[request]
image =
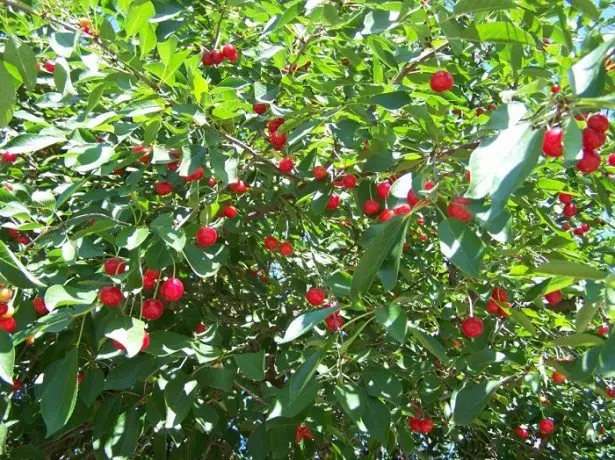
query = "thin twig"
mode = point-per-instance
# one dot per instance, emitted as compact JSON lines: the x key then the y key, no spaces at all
{"x":426,"y":54}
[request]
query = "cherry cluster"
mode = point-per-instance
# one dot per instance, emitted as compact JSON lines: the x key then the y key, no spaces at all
{"x":216,"y":57}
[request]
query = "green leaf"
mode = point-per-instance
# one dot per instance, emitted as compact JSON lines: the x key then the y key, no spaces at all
{"x":179,"y":396}
{"x":339,"y":283}
{"x":591,"y":305}
{"x":63,"y":43}
{"x":7,"y":96}
{"x":469,"y":402}
{"x":379,"y":249}
{"x":502,"y":163}
{"x":461,"y":246}
{"x":394,"y":319}
{"x":61,"y":295}
{"x":577,"y":340}
{"x":587,"y":77}
{"x":288,"y":406}
{"x":350,"y":398}
{"x":269,"y":52}
{"x":223,"y":166}
{"x":126,"y":431}
{"x":573,"y":142}
{"x":205,"y":262}
{"x":92,"y":386}
{"x":495,"y":32}
{"x":306,"y":321}
{"x":126,"y":330}
{"x":26,"y":143}
{"x":22,"y":57}
{"x":216,"y":377}
{"x":377,"y":419}
{"x":163,"y":227}
{"x":140,"y":12}
{"x":522,"y":319}
{"x":258,"y":443}
{"x":507,"y":115}
{"x":14,"y":271}
{"x":574,"y":269}
{"x":350,"y":340}
{"x":7,"y":358}
{"x":252,"y":364}
{"x":131,"y":237}
{"x":377,"y":21}
{"x":586,"y":7}
{"x":306,"y":371}
{"x":606,"y":360}
{"x":125,"y":374}
{"x":392,"y":101}
{"x":429,"y":342}
{"x":206,"y":417}
{"x":471,"y":6}
{"x":59,"y":392}
{"x":382,"y":383}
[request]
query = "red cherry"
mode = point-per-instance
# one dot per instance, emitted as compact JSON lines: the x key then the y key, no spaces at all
{"x":144,"y":159}
{"x":149,"y":278}
{"x":286,"y":249}
{"x":426,"y":425}
{"x":302,"y":432}
{"x":589,"y":162}
{"x":80,"y":377}
{"x":152,"y":309}
{"x":16,"y":386}
{"x":196,"y":175}
{"x":371,"y":207}
{"x":334,"y":202}
{"x":585,"y":227}
{"x":402,"y":210}
{"x":334,"y":321}
{"x":578,"y":231}
{"x":565,"y":198}
{"x":604,"y":329}
{"x":420,"y":221}
{"x":598,"y":122}
{"x":570,"y":210}
{"x":553,"y":298}
{"x":349,"y":181}
{"x":230,"y":52}
{"x":552,"y":142}
{"x":413,"y":199}
{"x":319,"y":172}
{"x":498,"y":293}
{"x":8,"y":324}
{"x":260,"y":108}
{"x":238,"y":187}
{"x":230,"y":211}
{"x":211,"y":182}
{"x":610,"y":392}
{"x":286,"y":165}
{"x":206,"y":236}
{"x":172,"y":167}
{"x":172,"y":289}
{"x":208,"y":58}
{"x":555,"y":89}
{"x":217,"y":57}
{"x":385,"y":215}
{"x":49,"y":66}
{"x":345,"y":62}
{"x":274,"y":124}
{"x":199,"y":328}
{"x":592,"y":138}
{"x":383,"y":189}
{"x":277,"y":139}
{"x":457,"y":209}
{"x":271,"y":242}
{"x":429,"y":185}
{"x":110,"y":296}
{"x":480,"y":111}
{"x":315,"y":296}
{"x":441,"y":81}
{"x":493,"y":307}
{"x":522,"y":432}
{"x":491,"y":107}
{"x":163,"y":188}
{"x":146,"y":342}
{"x":423,"y":237}
{"x":39,"y":306}
{"x":558,"y":377}
{"x":468,"y":175}
{"x":9,"y":157}
{"x":612,"y":159}
{"x":472,"y":327}
{"x":114,"y":266}
{"x":546,"y":426}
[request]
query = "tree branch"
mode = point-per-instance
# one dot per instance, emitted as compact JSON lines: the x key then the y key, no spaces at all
{"x":413,"y":63}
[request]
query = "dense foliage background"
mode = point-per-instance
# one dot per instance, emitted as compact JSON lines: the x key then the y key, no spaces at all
{"x":266,"y":229}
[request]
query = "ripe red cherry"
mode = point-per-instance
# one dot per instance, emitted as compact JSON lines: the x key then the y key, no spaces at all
{"x":208,"y":58}
{"x":49,"y":66}
{"x":274,"y":124}
{"x":552,"y":142}
{"x":260,"y":108}
{"x":302,"y":432}
{"x":604,"y":329}
{"x":592,"y":138}
{"x":286,"y":165}
{"x":420,"y":221}
{"x":230,"y":52}
{"x":217,"y":57}
{"x":457,"y":209}
{"x":319,"y":172}
{"x":211,"y":182}
{"x":41,"y":309}
{"x":8,"y":324}
{"x":578,"y":231}
{"x":565,"y":198}
{"x":149,"y":278}
{"x":199,"y":328}
{"x":16,"y":386}
{"x":230,"y":211}
{"x":492,"y":307}
{"x":196,"y":175}
{"x":334,"y":321}
{"x":152,"y":309}
{"x":429,"y":185}
{"x":558,"y":377}
{"x":80,"y":377}
{"x":277,"y":139}
{"x":589,"y":162}
{"x":144,"y":344}
{"x":114,"y":266}
{"x":612,"y":159}
{"x":383,"y":189}
{"x":238,"y":187}
{"x":9,"y":157}
{"x":498,"y":293}
{"x":610,"y":392}
{"x":172,"y":289}
{"x":472,"y":327}
{"x":441,"y":81}
{"x":426,"y":426}
{"x":402,"y":209}
{"x":349,"y":181}
{"x":286,"y":249}
{"x":206,"y":236}
{"x":570,"y":210}
{"x":163,"y":188}
{"x":553,"y":298}
{"x":315,"y":296}
{"x":271,"y":242}
{"x":413,"y":199}
{"x":334,"y":202}
{"x":555,"y":89}
{"x":371,"y":207}
{"x":479,"y":111}
{"x":110,"y":296}
{"x":546,"y":426}
{"x":385,"y":215}
{"x":523,"y":433}
{"x":598,"y":122}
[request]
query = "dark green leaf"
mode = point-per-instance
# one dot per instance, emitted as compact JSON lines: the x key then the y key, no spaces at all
{"x":394,"y":319}
{"x":12,"y":270}
{"x":59,"y":392}
{"x":461,"y":246}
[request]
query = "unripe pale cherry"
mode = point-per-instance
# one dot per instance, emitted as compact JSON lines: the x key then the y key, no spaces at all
{"x":441,"y":81}
{"x":592,"y":138}
{"x":315,"y":296}
{"x":570,"y":210}
{"x":110,"y":296}
{"x":472,"y":327}
{"x":546,"y":426}
{"x":260,"y":109}
{"x":39,"y":306}
{"x":172,"y":289}
{"x":286,"y":165}
{"x":334,"y":202}
{"x":114,"y":266}
{"x":383,"y":189}
{"x":206,"y":236}
{"x":319,"y":172}
{"x":553,"y":298}
{"x":271,"y":242}
{"x":552,"y":142}
{"x":371,"y":207}
{"x":598,"y":122}
{"x":152,"y":309}
{"x":565,"y":198}
{"x":589,"y":162}
{"x":286,"y":249}
{"x":334,"y":321}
